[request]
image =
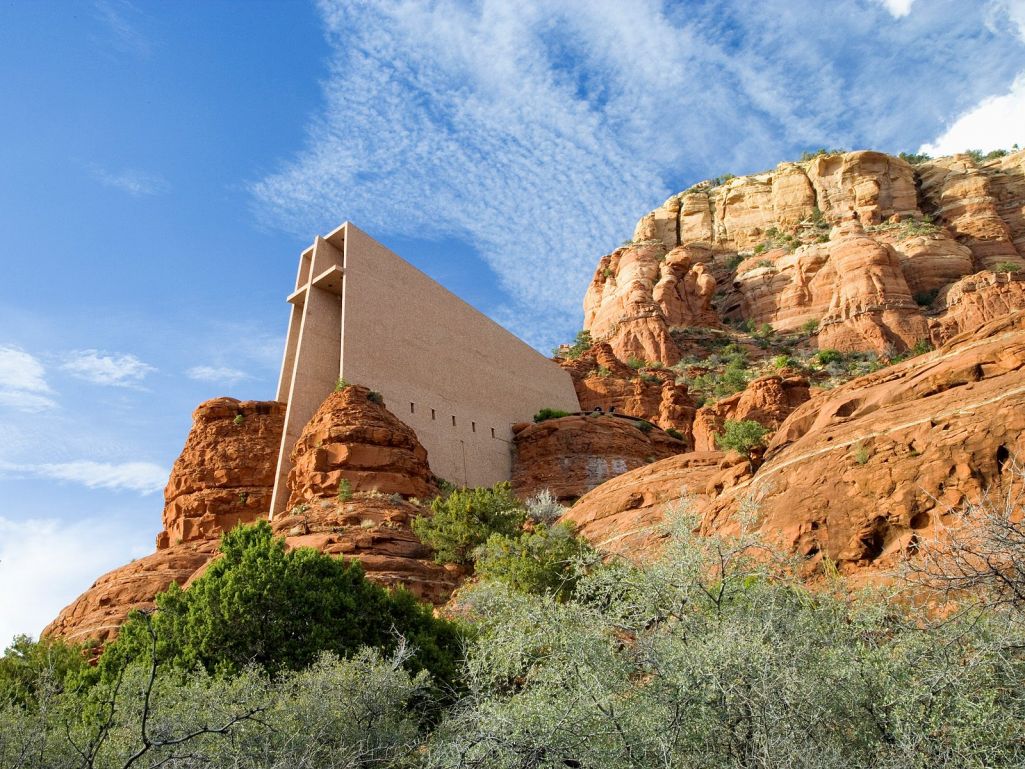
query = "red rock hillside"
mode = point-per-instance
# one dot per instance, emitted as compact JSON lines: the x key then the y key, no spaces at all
{"x":224,"y":476}
{"x":857,"y":474}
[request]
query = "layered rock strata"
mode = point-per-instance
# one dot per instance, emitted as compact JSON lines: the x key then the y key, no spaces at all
{"x":574,"y":454}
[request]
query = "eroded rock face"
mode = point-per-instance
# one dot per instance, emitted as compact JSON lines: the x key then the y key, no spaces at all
{"x":225,"y":474}
{"x":844,"y":240}
{"x":603,"y":381}
{"x":857,"y":474}
{"x":374,"y":529}
{"x":768,"y":401}
{"x":974,"y":301}
{"x":99,"y":611}
{"x":354,"y":438}
{"x":572,"y":455}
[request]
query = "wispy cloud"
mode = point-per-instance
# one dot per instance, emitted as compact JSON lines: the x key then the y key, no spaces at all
{"x":51,"y":561}
{"x":121,"y":19}
{"x":539,"y":132}
{"x":897,"y":8}
{"x":142,"y":477}
{"x":117,"y":370}
{"x":136,"y":183}
{"x":217,"y":374}
{"x":23,"y":381}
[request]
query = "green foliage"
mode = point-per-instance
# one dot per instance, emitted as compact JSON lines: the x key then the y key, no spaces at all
{"x":981,"y":157}
{"x":765,"y":263}
{"x":861,"y":454}
{"x":1008,"y":267}
{"x":547,"y":413}
{"x":635,"y":363}
{"x":828,"y":356}
{"x":239,"y":419}
{"x":603,"y":372}
{"x":607,"y":272}
{"x":543,"y":560}
{"x":340,"y":384}
{"x":462,"y":521}
{"x":375,"y":397}
{"x":344,"y":490}
{"x":810,"y":326}
{"x":258,"y":604}
{"x":718,"y":181}
{"x":733,"y":262}
{"x":672,"y":432}
{"x":580,"y":345}
{"x":921,"y":347}
{"x":915,"y":158}
{"x":644,"y":426}
{"x":821,"y":152}
{"x":741,"y":435}
{"x":29,"y":670}
{"x":784,"y":361}
{"x":760,"y":249}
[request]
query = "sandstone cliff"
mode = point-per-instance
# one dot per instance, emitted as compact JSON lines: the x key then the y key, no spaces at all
{"x":859,"y":243}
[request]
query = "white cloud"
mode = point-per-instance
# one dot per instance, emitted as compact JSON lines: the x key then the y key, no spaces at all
{"x":133,"y":181}
{"x":897,"y":8}
{"x":995,"y":123}
{"x":121,"y":18}
{"x":117,"y":370}
{"x":46,"y":563}
{"x":142,"y":477}
{"x":23,"y":381}
{"x":539,"y":132}
{"x":216,"y":374}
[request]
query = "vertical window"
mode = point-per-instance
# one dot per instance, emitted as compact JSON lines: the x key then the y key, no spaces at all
{"x":473,"y":427}
{"x":453,"y":420}
{"x":432,"y":414}
{"x":492,"y":432}
{"x":412,"y":408}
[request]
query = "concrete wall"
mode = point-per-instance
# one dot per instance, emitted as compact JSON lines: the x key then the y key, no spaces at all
{"x":455,"y":376}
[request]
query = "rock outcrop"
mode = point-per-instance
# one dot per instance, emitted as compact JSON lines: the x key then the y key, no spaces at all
{"x":768,"y":401}
{"x":225,"y":474}
{"x":603,"y":381}
{"x":574,"y":454}
{"x":353,"y":437}
{"x":858,"y":474}
{"x":859,"y":242}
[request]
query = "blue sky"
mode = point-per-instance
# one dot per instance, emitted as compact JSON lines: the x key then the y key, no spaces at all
{"x":164,"y":163}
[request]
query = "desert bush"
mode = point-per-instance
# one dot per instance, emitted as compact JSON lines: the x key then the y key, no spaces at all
{"x":672,"y":432}
{"x":544,"y":560}
{"x":544,"y":507}
{"x":547,"y":413}
{"x":741,"y":435}
{"x":260,"y":604}
{"x":827,"y":356}
{"x":462,"y":520}
{"x":1007,"y":267}
{"x":580,"y":345}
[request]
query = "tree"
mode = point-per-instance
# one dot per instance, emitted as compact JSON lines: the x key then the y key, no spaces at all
{"x":462,"y":520}
{"x":28,"y":667}
{"x":543,"y":560}
{"x":743,"y":436}
{"x":258,"y":604}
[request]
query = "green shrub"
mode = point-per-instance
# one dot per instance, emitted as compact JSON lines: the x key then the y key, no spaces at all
{"x":827,"y":356}
{"x":672,"y":432}
{"x":580,"y":345}
{"x":547,"y":413}
{"x":861,"y":454}
{"x":810,"y":326}
{"x":644,"y":426}
{"x":341,"y":384}
{"x":741,"y":436}
{"x":541,"y":561}
{"x":29,"y":670}
{"x":239,"y":419}
{"x":462,"y":521}
{"x":1007,"y":267}
{"x":733,"y":262}
{"x":344,"y":490}
{"x":635,"y":363}
{"x":375,"y":397}
{"x":603,"y":372}
{"x":760,"y":249}
{"x":915,"y":158}
{"x":260,"y":604}
{"x":783,"y":361}
{"x":921,"y":347}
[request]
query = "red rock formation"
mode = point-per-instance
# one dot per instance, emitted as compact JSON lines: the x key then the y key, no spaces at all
{"x":860,"y":472}
{"x":354,"y":438}
{"x":225,"y":474}
{"x":768,"y":401}
{"x":975,"y":301}
{"x":100,"y":610}
{"x":602,"y":381}
{"x":572,"y":455}
{"x":375,"y":529}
